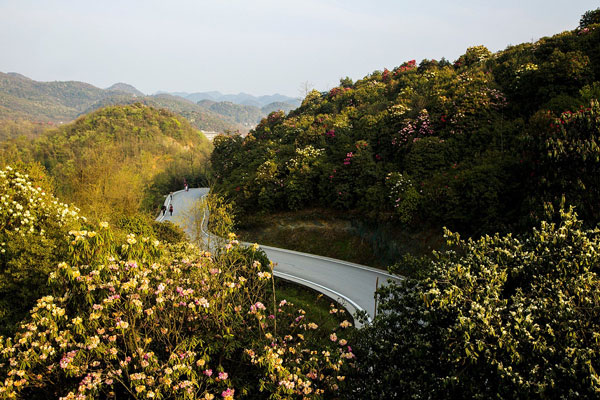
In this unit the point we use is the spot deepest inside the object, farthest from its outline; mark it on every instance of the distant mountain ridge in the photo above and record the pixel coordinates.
(240, 98)
(58, 102)
(242, 108)
(124, 87)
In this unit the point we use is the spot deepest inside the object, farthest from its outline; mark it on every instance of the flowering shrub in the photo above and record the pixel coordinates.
(403, 195)
(33, 233)
(570, 158)
(500, 317)
(407, 66)
(302, 169)
(473, 55)
(575, 135)
(140, 319)
(414, 129)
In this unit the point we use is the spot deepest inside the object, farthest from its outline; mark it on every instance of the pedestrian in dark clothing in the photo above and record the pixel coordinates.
(171, 209)
(163, 208)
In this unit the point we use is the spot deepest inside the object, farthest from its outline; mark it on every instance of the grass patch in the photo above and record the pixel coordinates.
(316, 305)
(310, 231)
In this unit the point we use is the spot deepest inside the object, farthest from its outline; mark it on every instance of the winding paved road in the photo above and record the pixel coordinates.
(352, 285)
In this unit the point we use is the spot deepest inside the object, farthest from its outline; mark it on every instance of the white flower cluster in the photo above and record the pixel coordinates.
(25, 209)
(304, 156)
(398, 110)
(524, 69)
(398, 185)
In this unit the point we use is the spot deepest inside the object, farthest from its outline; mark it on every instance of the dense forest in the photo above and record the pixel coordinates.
(476, 145)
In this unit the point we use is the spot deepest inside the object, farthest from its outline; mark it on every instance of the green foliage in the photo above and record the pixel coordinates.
(12, 128)
(500, 317)
(589, 18)
(221, 220)
(191, 325)
(34, 230)
(118, 160)
(168, 232)
(461, 133)
(569, 163)
(138, 224)
(474, 55)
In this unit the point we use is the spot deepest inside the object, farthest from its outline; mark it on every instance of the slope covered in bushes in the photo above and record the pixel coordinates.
(501, 317)
(139, 318)
(117, 160)
(463, 144)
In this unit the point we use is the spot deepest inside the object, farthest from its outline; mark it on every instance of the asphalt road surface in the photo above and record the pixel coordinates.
(352, 285)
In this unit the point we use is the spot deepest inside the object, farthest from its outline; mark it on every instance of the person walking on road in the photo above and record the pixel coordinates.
(163, 208)
(171, 209)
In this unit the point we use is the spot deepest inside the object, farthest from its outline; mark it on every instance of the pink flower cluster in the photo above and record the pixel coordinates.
(257, 306)
(414, 129)
(67, 358)
(348, 158)
(407, 66)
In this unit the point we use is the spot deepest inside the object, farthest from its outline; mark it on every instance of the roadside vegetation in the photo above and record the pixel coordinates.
(335, 234)
(134, 317)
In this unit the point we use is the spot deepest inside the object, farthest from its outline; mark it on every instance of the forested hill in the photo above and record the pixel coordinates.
(118, 160)
(46, 101)
(24, 99)
(248, 115)
(477, 144)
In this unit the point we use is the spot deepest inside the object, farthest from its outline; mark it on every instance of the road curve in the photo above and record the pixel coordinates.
(351, 284)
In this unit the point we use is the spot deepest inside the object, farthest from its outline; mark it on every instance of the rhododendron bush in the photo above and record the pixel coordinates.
(33, 229)
(141, 319)
(500, 317)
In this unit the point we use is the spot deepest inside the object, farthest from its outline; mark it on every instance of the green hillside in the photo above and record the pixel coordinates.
(47, 101)
(475, 145)
(118, 160)
(247, 115)
(24, 98)
(201, 118)
(276, 106)
(124, 87)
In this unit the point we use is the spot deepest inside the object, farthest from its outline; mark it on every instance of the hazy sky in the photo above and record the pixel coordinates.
(257, 46)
